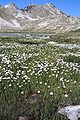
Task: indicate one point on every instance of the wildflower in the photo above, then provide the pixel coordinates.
(40, 83)
(39, 91)
(49, 86)
(17, 83)
(0, 79)
(45, 83)
(37, 82)
(29, 81)
(75, 82)
(24, 81)
(49, 75)
(11, 80)
(61, 79)
(22, 92)
(4, 88)
(58, 87)
(70, 90)
(66, 95)
(51, 93)
(10, 85)
(64, 86)
(8, 61)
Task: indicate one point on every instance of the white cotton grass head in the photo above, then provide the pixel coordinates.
(37, 82)
(49, 86)
(66, 95)
(40, 83)
(22, 92)
(45, 83)
(39, 91)
(10, 85)
(4, 88)
(51, 93)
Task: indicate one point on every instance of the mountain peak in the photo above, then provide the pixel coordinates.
(32, 4)
(10, 5)
(47, 4)
(43, 10)
(50, 4)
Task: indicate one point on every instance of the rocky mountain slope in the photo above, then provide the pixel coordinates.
(41, 18)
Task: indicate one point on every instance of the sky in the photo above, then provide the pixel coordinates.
(69, 7)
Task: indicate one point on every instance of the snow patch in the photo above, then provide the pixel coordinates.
(43, 24)
(5, 23)
(15, 23)
(20, 15)
(6, 6)
(24, 16)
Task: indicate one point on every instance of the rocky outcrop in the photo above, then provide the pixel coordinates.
(72, 112)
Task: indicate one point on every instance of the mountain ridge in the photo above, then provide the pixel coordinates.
(41, 18)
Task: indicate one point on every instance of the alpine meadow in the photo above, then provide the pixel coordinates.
(39, 63)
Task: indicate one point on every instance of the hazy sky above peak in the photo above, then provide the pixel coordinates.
(70, 7)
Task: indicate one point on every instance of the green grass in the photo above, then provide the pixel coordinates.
(21, 40)
(36, 80)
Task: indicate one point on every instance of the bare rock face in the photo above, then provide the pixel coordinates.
(72, 112)
(36, 18)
